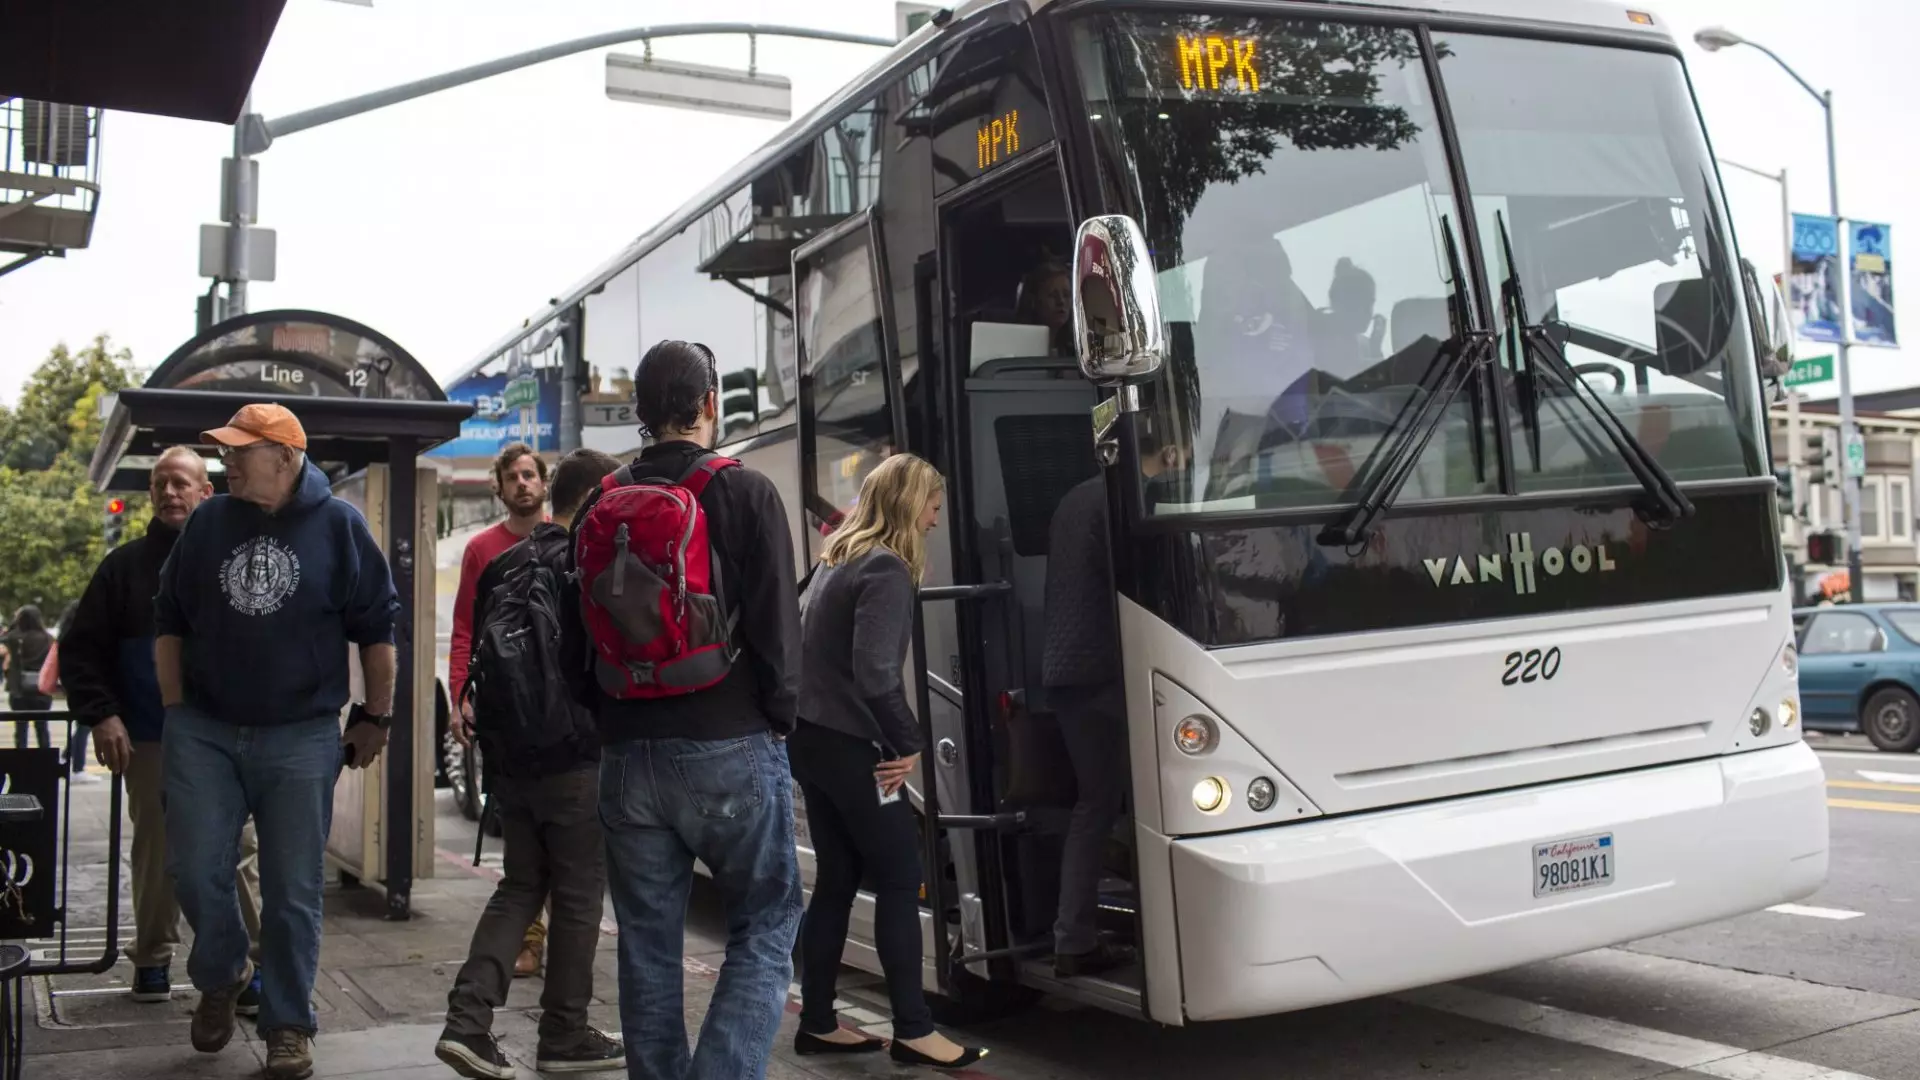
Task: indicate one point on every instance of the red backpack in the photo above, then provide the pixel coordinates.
(650, 588)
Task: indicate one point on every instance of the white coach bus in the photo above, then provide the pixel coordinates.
(1413, 349)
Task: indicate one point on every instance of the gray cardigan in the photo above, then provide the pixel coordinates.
(856, 623)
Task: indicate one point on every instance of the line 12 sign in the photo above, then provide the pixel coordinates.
(998, 139)
(1205, 58)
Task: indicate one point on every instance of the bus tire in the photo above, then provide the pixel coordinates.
(974, 1000)
(1891, 719)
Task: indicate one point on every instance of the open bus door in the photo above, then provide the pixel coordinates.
(1012, 433)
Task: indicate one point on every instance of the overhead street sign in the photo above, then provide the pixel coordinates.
(1813, 369)
(699, 87)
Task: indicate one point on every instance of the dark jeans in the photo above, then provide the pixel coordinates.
(29, 703)
(554, 848)
(857, 840)
(216, 774)
(1093, 723)
(728, 803)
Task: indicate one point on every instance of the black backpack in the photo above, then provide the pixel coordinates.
(524, 712)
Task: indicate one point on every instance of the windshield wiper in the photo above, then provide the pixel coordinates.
(1461, 359)
(1665, 502)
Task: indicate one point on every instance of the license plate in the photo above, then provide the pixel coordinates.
(1583, 862)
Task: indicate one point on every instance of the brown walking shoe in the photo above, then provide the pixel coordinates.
(212, 1026)
(289, 1055)
(529, 962)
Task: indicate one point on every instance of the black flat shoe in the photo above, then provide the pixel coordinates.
(907, 1055)
(806, 1045)
(1102, 958)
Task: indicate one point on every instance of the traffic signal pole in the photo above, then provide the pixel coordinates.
(254, 133)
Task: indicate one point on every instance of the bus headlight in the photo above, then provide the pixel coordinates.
(1194, 735)
(1260, 794)
(1210, 795)
(1790, 662)
(1789, 712)
(1759, 722)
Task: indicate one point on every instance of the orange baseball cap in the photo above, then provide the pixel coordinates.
(253, 423)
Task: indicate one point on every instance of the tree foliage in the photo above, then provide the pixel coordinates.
(51, 518)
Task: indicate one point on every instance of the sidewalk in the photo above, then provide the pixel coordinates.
(381, 992)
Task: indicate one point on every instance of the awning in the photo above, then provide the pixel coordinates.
(194, 61)
(349, 433)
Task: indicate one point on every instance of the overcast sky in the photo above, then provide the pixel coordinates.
(447, 220)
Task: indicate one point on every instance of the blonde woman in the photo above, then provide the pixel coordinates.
(855, 746)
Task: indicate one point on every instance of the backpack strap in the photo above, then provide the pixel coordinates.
(702, 471)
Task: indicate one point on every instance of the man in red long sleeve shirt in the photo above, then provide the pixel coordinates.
(520, 482)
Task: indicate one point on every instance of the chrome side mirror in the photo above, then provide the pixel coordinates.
(1773, 326)
(1780, 331)
(1116, 303)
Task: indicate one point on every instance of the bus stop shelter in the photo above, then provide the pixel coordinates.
(352, 438)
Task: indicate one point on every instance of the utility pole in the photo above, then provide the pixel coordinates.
(237, 211)
(1713, 39)
(1849, 428)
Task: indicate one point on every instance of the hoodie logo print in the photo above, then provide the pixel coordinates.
(260, 575)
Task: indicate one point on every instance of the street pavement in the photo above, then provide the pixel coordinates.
(1824, 989)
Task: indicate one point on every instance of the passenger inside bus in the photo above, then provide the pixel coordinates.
(1046, 299)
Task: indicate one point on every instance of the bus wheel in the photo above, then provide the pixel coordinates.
(1892, 720)
(973, 1000)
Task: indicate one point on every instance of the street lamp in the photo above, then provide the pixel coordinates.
(1713, 39)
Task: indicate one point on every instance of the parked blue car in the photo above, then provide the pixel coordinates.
(1860, 671)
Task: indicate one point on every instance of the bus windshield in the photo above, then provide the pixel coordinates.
(1294, 182)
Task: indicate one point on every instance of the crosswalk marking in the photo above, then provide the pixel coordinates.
(1836, 914)
(1887, 777)
(1674, 1051)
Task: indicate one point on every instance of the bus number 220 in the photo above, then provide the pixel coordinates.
(1531, 666)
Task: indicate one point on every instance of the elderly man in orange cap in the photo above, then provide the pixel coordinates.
(266, 589)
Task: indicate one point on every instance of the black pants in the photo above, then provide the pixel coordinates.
(1093, 724)
(554, 850)
(857, 841)
(34, 702)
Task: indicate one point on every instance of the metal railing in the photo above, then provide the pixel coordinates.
(49, 176)
(37, 875)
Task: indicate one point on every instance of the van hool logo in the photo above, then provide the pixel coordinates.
(1519, 563)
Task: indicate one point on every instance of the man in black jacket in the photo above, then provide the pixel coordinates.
(550, 821)
(704, 775)
(106, 664)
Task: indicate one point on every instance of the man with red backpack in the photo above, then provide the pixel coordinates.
(687, 646)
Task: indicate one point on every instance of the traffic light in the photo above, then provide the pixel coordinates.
(1819, 466)
(1823, 549)
(116, 520)
(739, 401)
(1783, 480)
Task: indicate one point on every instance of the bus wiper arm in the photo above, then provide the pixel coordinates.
(1665, 503)
(1460, 360)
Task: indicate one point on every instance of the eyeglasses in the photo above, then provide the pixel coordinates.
(229, 453)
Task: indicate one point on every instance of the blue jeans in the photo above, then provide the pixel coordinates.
(216, 775)
(664, 803)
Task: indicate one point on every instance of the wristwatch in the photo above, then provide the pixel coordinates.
(359, 715)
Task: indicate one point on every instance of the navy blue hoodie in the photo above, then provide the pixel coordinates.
(267, 604)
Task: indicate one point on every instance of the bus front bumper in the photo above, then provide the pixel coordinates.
(1294, 916)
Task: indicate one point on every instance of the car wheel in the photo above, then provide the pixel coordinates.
(1892, 720)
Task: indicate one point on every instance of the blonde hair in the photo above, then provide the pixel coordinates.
(892, 498)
